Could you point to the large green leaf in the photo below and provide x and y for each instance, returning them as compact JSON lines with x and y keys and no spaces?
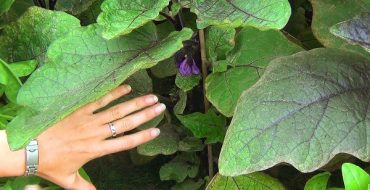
{"x":81,"y":68}
{"x":253,"y":51}
{"x":355,"y":31}
{"x":31,"y":35}
{"x":10,"y":80}
{"x":320,"y":97}
{"x":16,"y":10}
{"x":330,"y":12}
{"x":5,"y":6}
{"x":219,"y":41}
{"x":210,"y":125}
{"x":74,"y":6}
{"x":253,"y":181}
{"x":318,"y":182}
{"x":23,"y":68}
{"x":186,"y":83}
{"x":120,"y":17}
{"x":354,"y":177}
{"x":264,"y":14}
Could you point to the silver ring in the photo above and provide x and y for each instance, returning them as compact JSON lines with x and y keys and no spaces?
{"x":112,"y":129}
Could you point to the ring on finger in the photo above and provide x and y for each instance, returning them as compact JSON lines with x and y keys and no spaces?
{"x":113,"y":129}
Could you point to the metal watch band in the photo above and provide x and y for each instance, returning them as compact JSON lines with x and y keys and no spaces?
{"x":32,"y":158}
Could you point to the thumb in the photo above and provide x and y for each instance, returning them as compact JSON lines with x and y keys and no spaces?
{"x":81,"y":184}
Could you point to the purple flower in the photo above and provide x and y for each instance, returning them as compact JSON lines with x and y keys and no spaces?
{"x":188,"y":67}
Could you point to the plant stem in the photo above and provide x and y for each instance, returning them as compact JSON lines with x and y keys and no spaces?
{"x":205,"y":100}
{"x":42,"y":3}
{"x":170,"y":19}
{"x":52,"y":4}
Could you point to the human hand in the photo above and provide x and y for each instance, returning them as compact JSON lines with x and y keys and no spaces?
{"x":84,"y":136}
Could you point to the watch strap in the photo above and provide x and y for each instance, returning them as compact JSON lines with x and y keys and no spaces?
{"x":32,"y":158}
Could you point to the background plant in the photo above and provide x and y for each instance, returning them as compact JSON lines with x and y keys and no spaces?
{"x":254,"y":89}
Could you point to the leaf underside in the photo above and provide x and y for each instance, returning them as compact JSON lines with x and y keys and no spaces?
{"x":320,"y":97}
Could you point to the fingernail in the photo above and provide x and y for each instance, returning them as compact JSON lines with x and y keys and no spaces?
{"x":160,"y":108}
{"x":151,"y":99}
{"x":155,"y":132}
{"x":128,"y":88}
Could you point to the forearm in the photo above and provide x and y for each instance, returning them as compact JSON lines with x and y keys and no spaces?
{"x":12,"y":163}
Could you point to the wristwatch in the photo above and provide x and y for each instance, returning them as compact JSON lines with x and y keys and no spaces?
{"x":32,"y":158}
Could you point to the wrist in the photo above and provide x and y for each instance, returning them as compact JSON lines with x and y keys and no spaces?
{"x":12,"y":163}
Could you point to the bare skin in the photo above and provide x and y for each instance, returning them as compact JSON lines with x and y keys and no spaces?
{"x":84,"y":136}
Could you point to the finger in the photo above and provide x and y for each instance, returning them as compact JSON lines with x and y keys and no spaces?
{"x":121,"y":110}
{"x":128,"y":142}
{"x":132,"y":121}
{"x":105,"y":100}
{"x":77,"y":182}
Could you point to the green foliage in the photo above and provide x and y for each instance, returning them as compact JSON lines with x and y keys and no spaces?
{"x":355,"y":31}
{"x":330,"y":12}
{"x":31,"y":35}
{"x":354,"y":177}
{"x":210,"y":125}
{"x":256,"y":180}
{"x":263,"y":14}
{"x":308,"y":108}
{"x":120,"y":17}
{"x":104,"y":69}
{"x":285,"y":104}
{"x":318,"y":182}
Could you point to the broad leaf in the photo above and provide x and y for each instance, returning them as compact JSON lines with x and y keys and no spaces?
{"x":210,"y":125}
{"x":31,"y":35}
{"x":186,"y":83}
{"x":354,"y":177}
{"x":166,"y":143}
{"x":165,"y":68}
{"x":10,"y":81}
{"x":330,"y":12}
{"x":5,"y":6}
{"x":355,"y":31}
{"x":188,"y":184}
{"x":318,"y":182}
{"x":182,"y":166}
{"x":16,"y":10}
{"x":74,"y":6}
{"x":320,"y":97}
{"x":120,"y":17}
{"x":253,"y":51}
{"x":95,"y":66}
{"x":90,"y":15}
{"x":239,"y":13}
{"x":256,"y":180}
{"x":219,"y":41}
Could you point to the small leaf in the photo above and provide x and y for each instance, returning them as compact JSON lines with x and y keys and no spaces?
{"x":239,"y":13}
{"x":219,"y":41}
{"x":95,"y":66}
{"x":305,"y":96}
{"x":166,"y":143}
{"x":31,"y":35}
{"x":182,"y":166}
{"x":355,"y":31}
{"x":186,"y":83}
{"x":181,"y":104}
{"x":354,"y":177}
{"x":191,"y":144}
{"x":120,"y":17}
{"x":23,"y":68}
{"x":256,"y":180}
{"x":5,"y":6}
{"x":330,"y":12}
{"x":318,"y":182}
{"x":165,"y":68}
{"x":12,"y":82}
{"x":84,"y":174}
{"x":210,"y":125}
{"x":188,"y":184}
